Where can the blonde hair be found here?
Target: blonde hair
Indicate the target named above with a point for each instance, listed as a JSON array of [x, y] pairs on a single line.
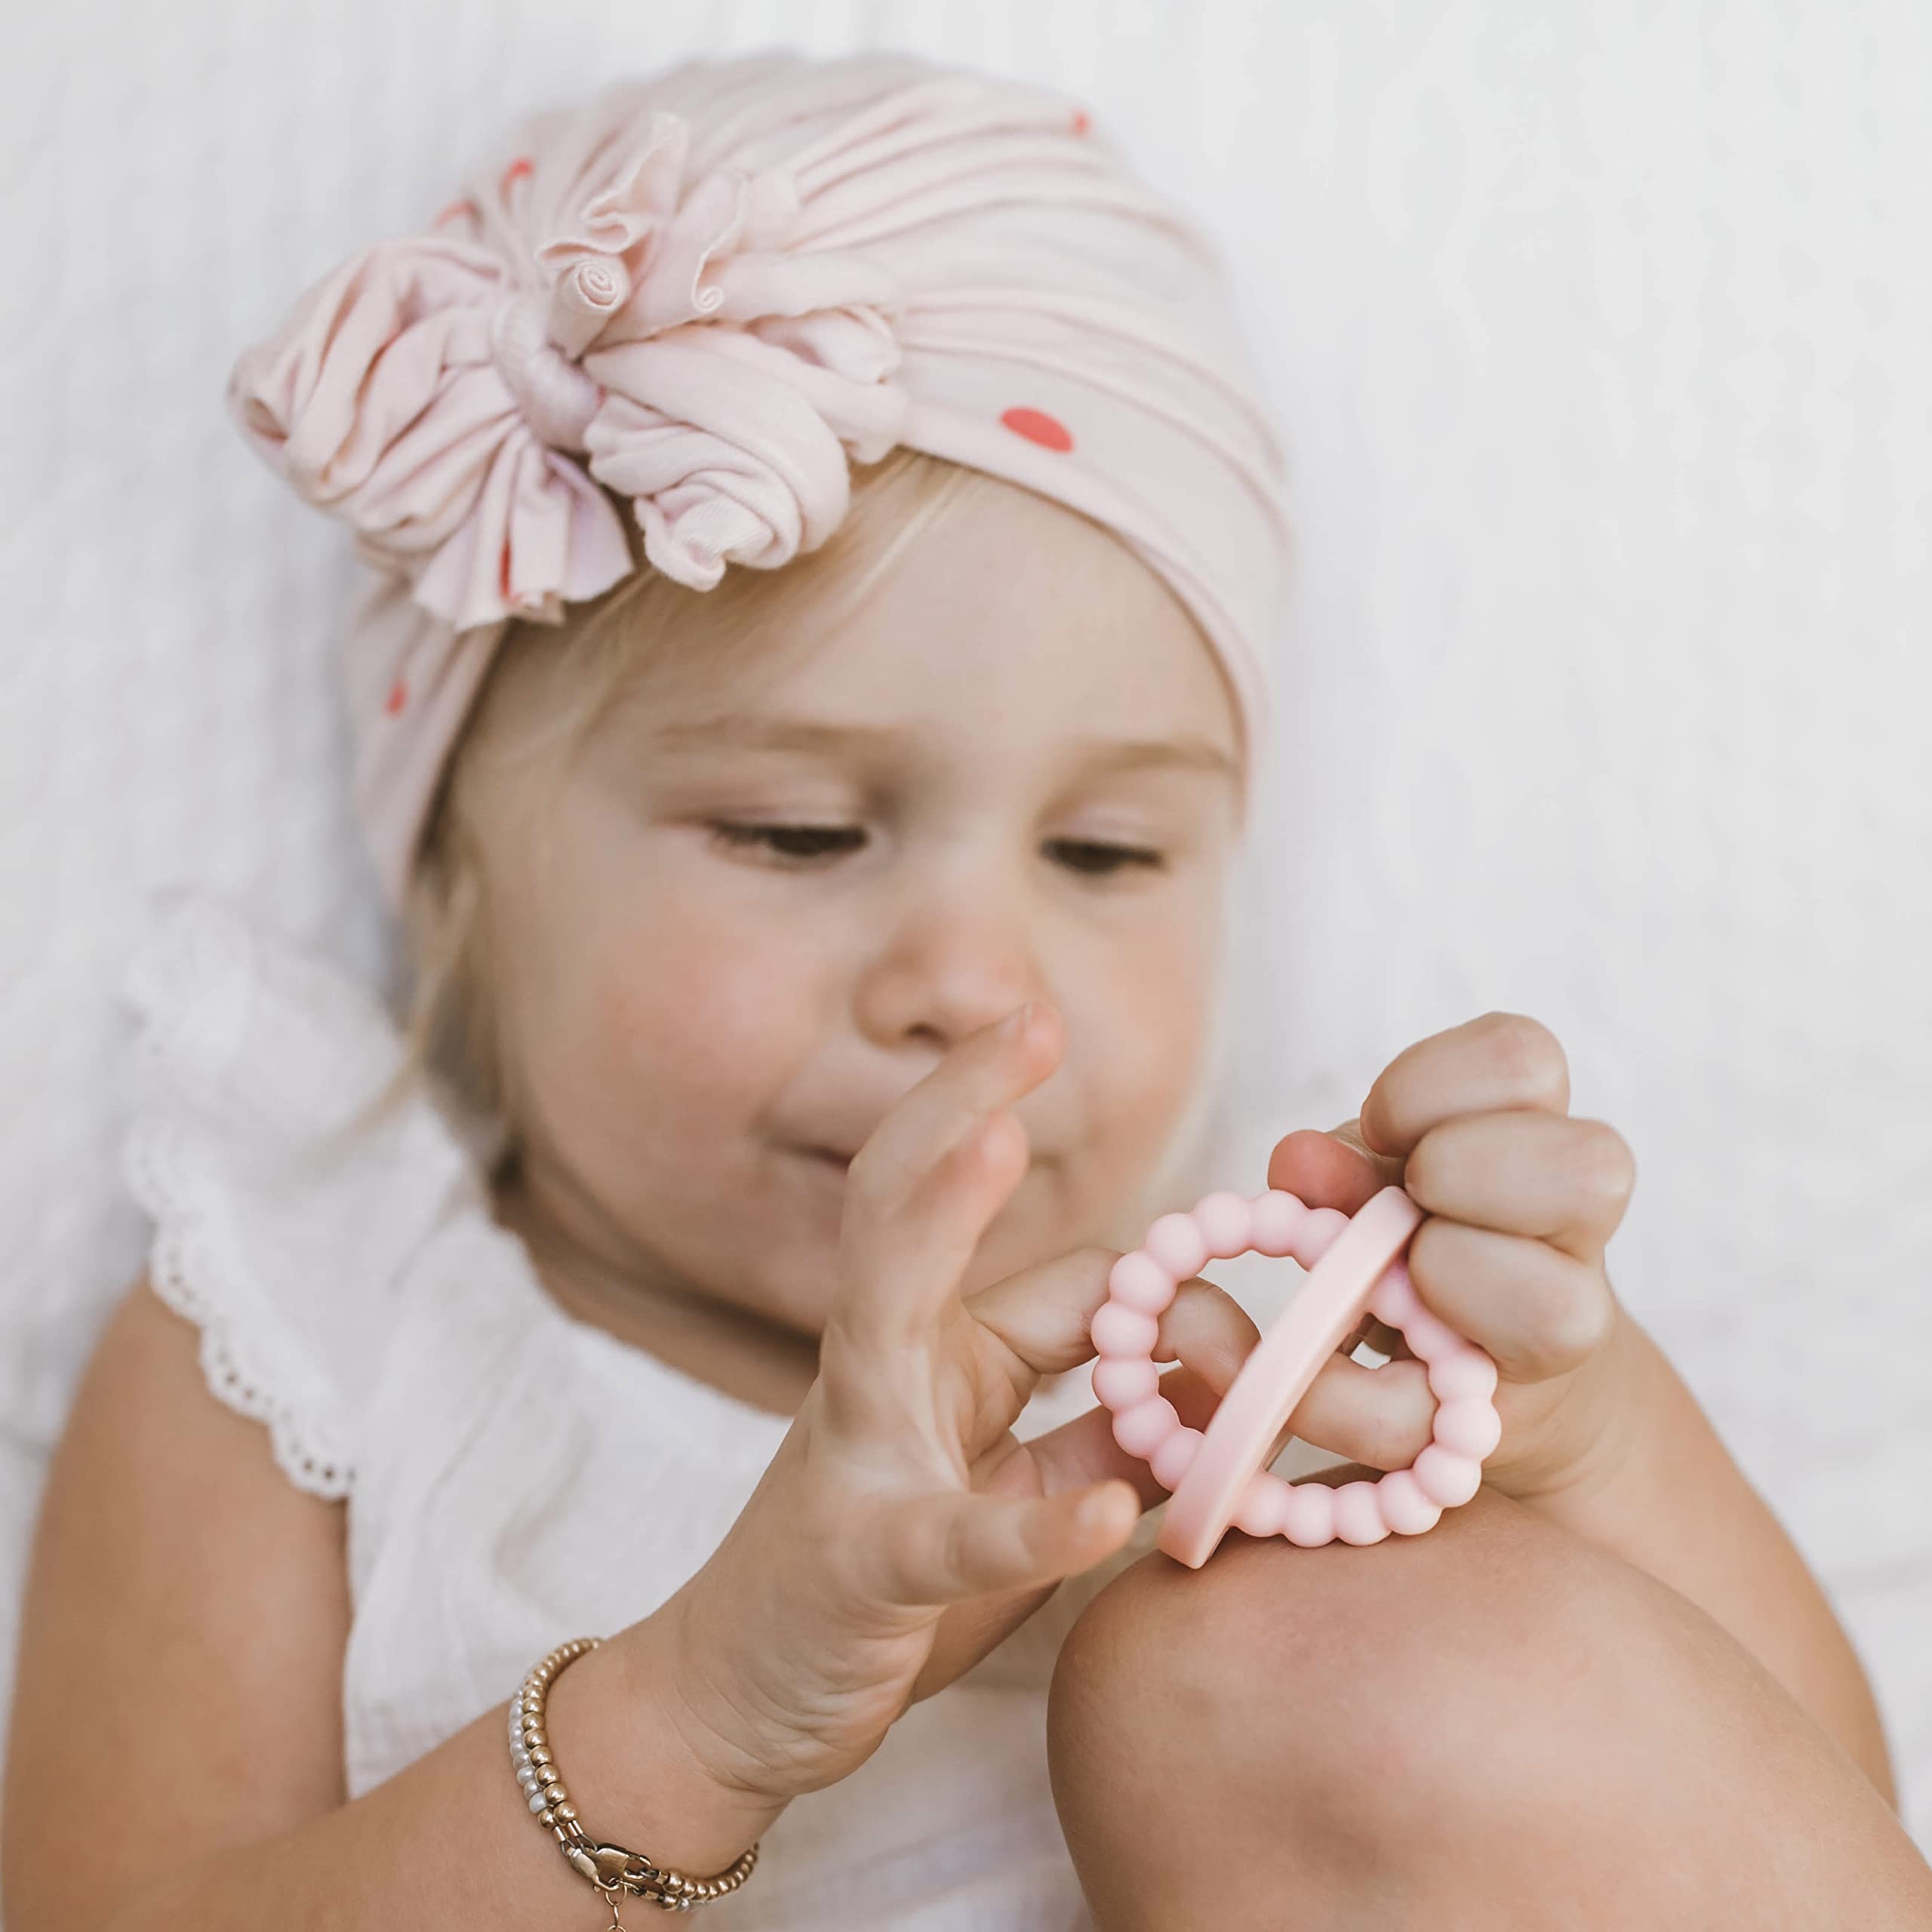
[[549, 688]]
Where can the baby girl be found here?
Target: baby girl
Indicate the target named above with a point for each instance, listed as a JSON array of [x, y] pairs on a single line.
[[627, 1423]]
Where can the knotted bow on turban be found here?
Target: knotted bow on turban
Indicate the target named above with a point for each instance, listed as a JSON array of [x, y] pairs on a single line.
[[709, 292]]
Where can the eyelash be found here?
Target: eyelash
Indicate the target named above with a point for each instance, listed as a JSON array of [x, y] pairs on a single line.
[[768, 836]]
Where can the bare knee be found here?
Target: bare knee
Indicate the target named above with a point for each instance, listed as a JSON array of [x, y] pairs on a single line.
[[1432, 1718], [1333, 1702]]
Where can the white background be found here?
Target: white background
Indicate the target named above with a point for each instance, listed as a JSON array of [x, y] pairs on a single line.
[[1600, 333]]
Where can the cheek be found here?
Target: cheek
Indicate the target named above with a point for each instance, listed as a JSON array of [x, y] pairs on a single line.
[[691, 1024], [1155, 1030], [696, 1027]]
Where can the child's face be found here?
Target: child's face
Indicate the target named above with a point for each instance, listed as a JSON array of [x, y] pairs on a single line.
[[693, 1011]]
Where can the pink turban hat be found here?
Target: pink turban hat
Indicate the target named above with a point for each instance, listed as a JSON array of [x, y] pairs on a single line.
[[704, 294]]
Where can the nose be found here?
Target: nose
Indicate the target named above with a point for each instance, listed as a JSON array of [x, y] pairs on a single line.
[[961, 953]]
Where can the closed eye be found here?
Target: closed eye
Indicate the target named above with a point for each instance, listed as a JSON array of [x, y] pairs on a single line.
[[800, 844], [1107, 860], [790, 842]]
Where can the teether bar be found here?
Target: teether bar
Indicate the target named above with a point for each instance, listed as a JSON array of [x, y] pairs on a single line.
[[1217, 1476]]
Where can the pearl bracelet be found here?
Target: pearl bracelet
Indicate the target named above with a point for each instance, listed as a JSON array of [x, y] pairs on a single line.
[[610, 1867], [1354, 1263]]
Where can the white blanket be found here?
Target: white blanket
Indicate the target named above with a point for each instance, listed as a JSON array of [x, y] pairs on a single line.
[[1601, 333]]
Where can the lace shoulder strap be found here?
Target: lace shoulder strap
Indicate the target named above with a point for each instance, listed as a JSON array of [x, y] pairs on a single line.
[[283, 1221]]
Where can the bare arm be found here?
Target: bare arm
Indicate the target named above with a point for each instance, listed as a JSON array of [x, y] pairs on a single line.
[[174, 1760], [1665, 1495]]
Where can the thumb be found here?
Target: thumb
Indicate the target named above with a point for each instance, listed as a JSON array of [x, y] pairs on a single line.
[[944, 1548], [1337, 1169]]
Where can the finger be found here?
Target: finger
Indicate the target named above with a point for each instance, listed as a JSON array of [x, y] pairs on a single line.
[[945, 1547], [1381, 1416], [1204, 1326], [967, 1631], [1330, 1170], [1084, 1451], [1501, 1060], [1537, 1311], [979, 1075], [1038, 1322], [1564, 1181], [921, 1192], [877, 1345]]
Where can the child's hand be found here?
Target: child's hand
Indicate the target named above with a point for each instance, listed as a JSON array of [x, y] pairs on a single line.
[[1474, 1123], [902, 1530]]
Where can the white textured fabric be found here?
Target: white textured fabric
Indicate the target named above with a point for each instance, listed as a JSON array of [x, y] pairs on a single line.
[[1603, 335], [356, 1295], [280, 1256]]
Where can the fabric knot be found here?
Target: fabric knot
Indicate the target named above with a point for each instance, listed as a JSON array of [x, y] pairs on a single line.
[[440, 392], [556, 398], [586, 294]]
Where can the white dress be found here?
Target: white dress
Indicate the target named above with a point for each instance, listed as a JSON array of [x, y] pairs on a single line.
[[355, 1295]]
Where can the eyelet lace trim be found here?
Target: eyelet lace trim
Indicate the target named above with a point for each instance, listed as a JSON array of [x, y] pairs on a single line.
[[191, 1269], [197, 981]]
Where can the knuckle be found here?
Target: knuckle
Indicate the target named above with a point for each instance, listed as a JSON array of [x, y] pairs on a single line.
[[1424, 1173], [1432, 1253], [1002, 1133], [1399, 1432], [1575, 1319], [1093, 1262], [1205, 1320], [1195, 1288], [1603, 1168], [846, 1385], [1529, 1056], [1382, 1442]]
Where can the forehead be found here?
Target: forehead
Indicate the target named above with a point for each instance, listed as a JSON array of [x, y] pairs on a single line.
[[1011, 627]]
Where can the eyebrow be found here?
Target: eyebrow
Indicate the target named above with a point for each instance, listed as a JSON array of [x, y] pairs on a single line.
[[736, 731]]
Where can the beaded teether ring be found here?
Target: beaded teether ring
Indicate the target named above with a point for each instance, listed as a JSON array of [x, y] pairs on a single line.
[[1217, 1475]]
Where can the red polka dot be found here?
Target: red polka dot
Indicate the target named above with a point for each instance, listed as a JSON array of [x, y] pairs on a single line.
[[466, 206], [1037, 427], [516, 170], [1080, 123], [398, 697], [503, 570]]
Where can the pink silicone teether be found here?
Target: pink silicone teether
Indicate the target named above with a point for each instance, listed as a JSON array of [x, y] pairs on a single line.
[[1217, 1476]]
